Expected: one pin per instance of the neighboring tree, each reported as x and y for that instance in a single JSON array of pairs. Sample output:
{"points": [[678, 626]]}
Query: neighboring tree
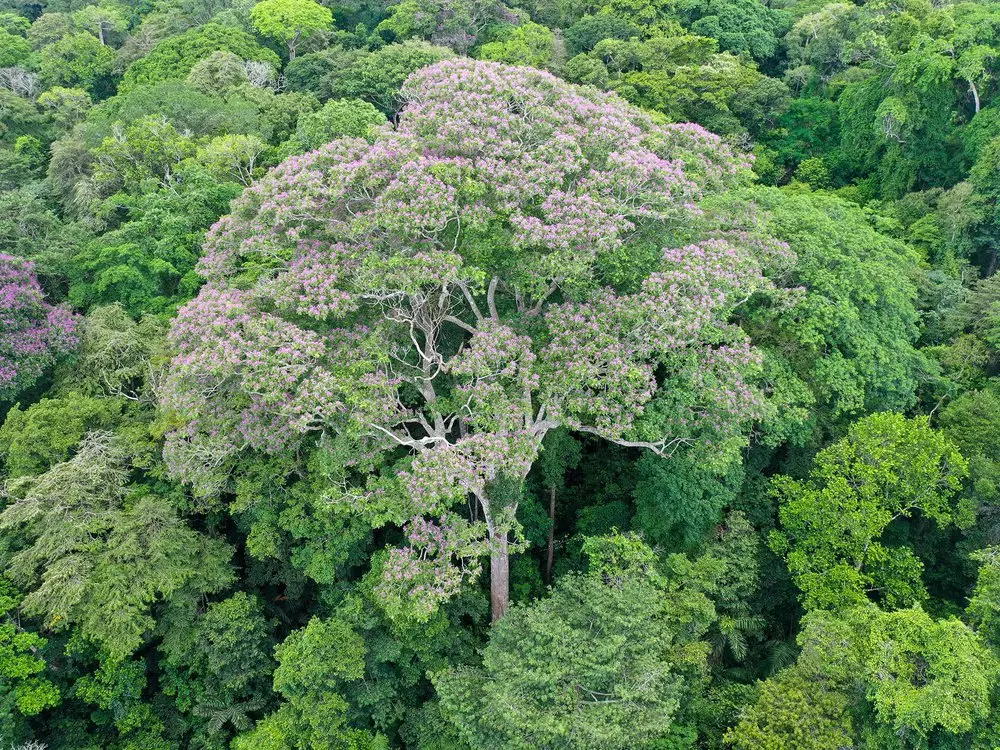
{"points": [[465, 311], [36, 438], [314, 666], [984, 605], [290, 21], [603, 663], [218, 74], [33, 333], [25, 690], [848, 348], [148, 149], [527, 44], [679, 501], [147, 263], [378, 77], [97, 553], [19, 81], [79, 61], [887, 468], [67, 106], [14, 49], [308, 73], [115, 357], [174, 57], [49, 28], [586, 33], [221, 668], [338, 118], [741, 26], [260, 74], [451, 23], [893, 678], [233, 158], [101, 20]]}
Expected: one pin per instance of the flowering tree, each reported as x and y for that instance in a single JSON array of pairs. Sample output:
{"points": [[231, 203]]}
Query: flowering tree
{"points": [[445, 295], [32, 332]]}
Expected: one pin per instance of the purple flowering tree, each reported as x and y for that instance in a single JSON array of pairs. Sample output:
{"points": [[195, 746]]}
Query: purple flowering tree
{"points": [[438, 299], [32, 332]]}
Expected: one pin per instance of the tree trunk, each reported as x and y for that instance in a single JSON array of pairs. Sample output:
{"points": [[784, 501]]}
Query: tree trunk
{"points": [[975, 94], [292, 43], [499, 577], [552, 534], [100, 34]]}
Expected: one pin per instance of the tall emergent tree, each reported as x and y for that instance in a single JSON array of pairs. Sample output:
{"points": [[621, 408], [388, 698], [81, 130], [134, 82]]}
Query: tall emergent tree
{"points": [[432, 303]]}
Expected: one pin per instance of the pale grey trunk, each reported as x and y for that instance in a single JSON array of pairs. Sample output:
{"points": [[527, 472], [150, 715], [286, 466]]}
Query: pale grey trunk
{"points": [[499, 576]]}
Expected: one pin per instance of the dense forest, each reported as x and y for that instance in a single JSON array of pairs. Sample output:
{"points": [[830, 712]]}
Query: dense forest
{"points": [[487, 374]]}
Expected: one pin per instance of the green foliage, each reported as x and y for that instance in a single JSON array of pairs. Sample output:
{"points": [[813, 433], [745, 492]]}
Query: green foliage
{"points": [[377, 77], [98, 554], [850, 340], [984, 605], [338, 118], [24, 688], [684, 77], [290, 21], [14, 48], [220, 666], [80, 61], [146, 264], [34, 439], [103, 21], [308, 73], [218, 74], [174, 57], [562, 669], [314, 664], [586, 33], [67, 106], [887, 468], [527, 44], [677, 500], [924, 673], [794, 712], [897, 675]]}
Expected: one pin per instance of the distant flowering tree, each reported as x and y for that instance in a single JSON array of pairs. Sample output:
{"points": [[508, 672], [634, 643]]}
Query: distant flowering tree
{"points": [[440, 298], [32, 332]]}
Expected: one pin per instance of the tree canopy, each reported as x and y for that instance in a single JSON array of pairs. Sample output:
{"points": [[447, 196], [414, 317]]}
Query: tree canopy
{"points": [[459, 374]]}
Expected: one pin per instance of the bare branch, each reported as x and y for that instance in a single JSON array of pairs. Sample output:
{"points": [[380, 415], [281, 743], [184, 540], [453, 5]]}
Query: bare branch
{"points": [[460, 323], [665, 448], [470, 299]]}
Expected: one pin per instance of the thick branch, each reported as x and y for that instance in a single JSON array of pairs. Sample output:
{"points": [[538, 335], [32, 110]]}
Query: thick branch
{"points": [[541, 301], [458, 322], [470, 299], [663, 448], [410, 442]]}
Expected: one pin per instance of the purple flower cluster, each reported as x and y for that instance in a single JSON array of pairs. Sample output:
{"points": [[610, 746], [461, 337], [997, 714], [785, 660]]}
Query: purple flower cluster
{"points": [[33, 333]]}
